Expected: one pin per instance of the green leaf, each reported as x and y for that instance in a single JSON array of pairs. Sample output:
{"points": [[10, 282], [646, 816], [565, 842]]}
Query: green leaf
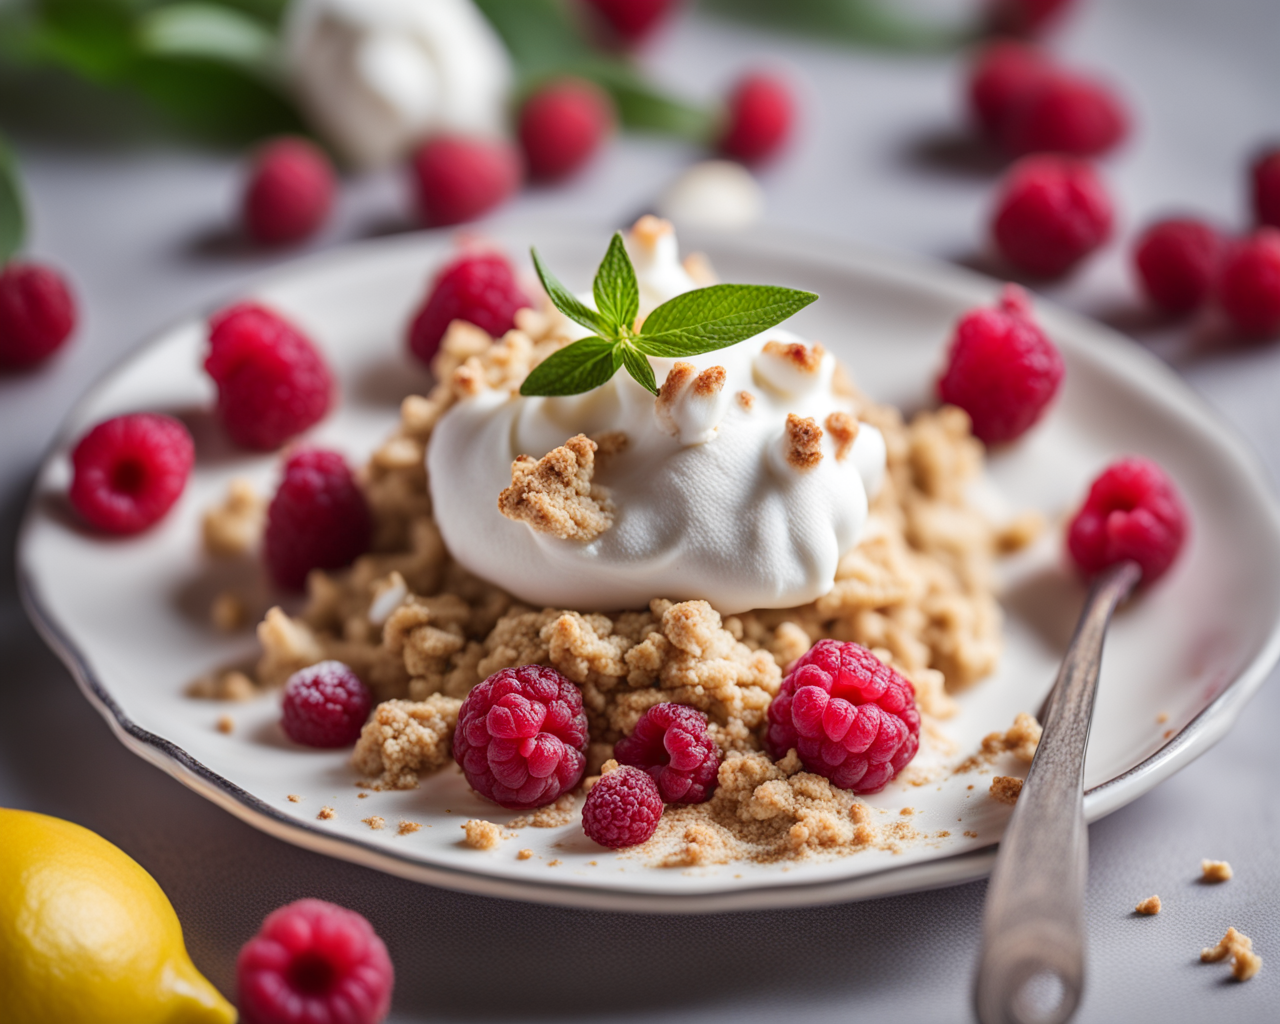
{"points": [[584, 365], [208, 31], [639, 368], [565, 301], [871, 23], [12, 221], [615, 287], [714, 317]]}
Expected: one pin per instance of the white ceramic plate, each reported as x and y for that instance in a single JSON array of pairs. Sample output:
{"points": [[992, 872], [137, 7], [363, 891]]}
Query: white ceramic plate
{"points": [[130, 617]]}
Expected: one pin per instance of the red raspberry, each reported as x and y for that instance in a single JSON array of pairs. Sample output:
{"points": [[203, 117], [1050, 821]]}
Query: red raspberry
{"points": [[461, 178], [562, 125], [521, 736], [1052, 211], [1177, 263], [37, 314], [1266, 188], [325, 705], [632, 20], [1133, 511], [622, 809], [1064, 113], [128, 471], [1003, 75], [1025, 17], [319, 519], [849, 716], [1001, 369], [480, 288], [272, 381], [289, 192], [1249, 288], [759, 118], [314, 962], [670, 742]]}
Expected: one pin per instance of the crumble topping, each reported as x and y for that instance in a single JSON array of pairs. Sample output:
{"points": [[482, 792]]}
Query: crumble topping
{"points": [[843, 429], [1022, 739], [1005, 789], [228, 685], [804, 441], [481, 834], [747, 400], [554, 494], [1215, 871], [228, 613], [234, 527], [805, 358], [405, 738], [1245, 963], [1148, 907]]}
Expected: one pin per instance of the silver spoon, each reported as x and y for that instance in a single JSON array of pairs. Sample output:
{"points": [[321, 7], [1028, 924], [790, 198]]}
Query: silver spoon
{"points": [[1031, 970]]}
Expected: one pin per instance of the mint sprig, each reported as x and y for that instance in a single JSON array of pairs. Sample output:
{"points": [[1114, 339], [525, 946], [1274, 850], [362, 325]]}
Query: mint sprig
{"points": [[694, 322]]}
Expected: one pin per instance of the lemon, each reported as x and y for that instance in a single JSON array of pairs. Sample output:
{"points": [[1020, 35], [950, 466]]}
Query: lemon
{"points": [[87, 936]]}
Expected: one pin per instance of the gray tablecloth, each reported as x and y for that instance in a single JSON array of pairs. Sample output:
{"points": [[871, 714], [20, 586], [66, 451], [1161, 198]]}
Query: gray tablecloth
{"points": [[142, 228]]}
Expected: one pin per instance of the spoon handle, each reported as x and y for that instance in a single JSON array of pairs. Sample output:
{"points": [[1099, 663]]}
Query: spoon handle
{"points": [[1032, 966]]}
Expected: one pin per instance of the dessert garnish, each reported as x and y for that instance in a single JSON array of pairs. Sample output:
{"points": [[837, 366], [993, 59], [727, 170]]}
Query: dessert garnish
{"points": [[1052, 212], [325, 705], [623, 807], [478, 287], [37, 314], [1178, 261], [671, 743], [289, 193]]}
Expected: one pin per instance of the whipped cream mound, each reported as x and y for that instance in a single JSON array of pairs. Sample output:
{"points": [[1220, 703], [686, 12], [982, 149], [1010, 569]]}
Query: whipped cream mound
{"points": [[742, 484]]}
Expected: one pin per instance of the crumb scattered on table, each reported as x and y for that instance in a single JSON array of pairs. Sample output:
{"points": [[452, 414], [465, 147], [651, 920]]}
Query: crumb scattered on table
{"points": [[1005, 789], [1149, 906], [326, 813], [1245, 963], [1215, 871]]}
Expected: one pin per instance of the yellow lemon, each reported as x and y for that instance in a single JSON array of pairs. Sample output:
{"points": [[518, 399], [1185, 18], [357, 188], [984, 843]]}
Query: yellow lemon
{"points": [[87, 936]]}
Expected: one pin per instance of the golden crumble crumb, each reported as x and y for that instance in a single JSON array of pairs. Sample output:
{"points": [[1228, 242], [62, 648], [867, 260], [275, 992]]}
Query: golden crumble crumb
{"points": [[610, 442], [524, 855], [408, 827], [375, 821], [232, 685], [942, 834], [906, 812], [481, 834], [609, 767], [971, 835], [404, 738], [293, 798], [1245, 963], [709, 382], [1215, 871], [288, 645], [804, 441], [1020, 532], [228, 613], [1022, 740], [1149, 906], [1162, 718], [1005, 789], [747, 400], [233, 527], [362, 796], [552, 816], [1167, 734], [806, 358], [555, 495], [843, 429], [554, 863], [698, 266], [327, 813], [226, 724], [648, 230]]}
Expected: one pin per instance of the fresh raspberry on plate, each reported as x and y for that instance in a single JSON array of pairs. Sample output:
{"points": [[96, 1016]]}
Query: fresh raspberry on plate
{"points": [[289, 192], [562, 126], [1265, 177], [622, 809], [1177, 262], [850, 717], [272, 381], [319, 518], [128, 471], [314, 962], [632, 20], [1064, 113], [671, 743], [1004, 73], [459, 178], [480, 288], [1249, 288], [37, 314], [521, 736], [1002, 369], [325, 705], [1052, 211], [759, 118], [1133, 511]]}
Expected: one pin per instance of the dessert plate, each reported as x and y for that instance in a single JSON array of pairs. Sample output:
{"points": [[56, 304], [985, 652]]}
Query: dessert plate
{"points": [[130, 617]]}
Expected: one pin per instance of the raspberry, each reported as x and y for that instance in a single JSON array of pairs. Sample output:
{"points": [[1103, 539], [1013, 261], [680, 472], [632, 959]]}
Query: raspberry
{"points": [[1132, 511], [461, 178], [632, 20], [850, 717], [1003, 75], [1064, 113], [319, 518], [1001, 369], [1177, 263], [521, 736], [480, 288], [1052, 211], [289, 192], [128, 471], [1266, 188], [272, 382], [325, 705], [1249, 288], [37, 314], [622, 809], [1025, 17], [562, 125], [314, 962], [759, 118], [670, 742]]}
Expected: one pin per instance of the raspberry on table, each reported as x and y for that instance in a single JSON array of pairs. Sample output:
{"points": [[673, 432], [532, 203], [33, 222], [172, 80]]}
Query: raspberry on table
{"points": [[37, 314], [1004, 73], [325, 705], [1133, 510], [1002, 369], [632, 20], [849, 716], [289, 192], [562, 125], [273, 383], [622, 809], [314, 962], [459, 178], [671, 743], [521, 737], [1249, 288], [480, 288], [318, 519], [1064, 113], [760, 112], [128, 471], [1177, 262], [1052, 211], [1265, 175]]}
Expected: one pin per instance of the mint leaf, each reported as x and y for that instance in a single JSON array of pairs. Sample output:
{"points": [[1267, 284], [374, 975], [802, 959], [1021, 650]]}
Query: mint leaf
{"points": [[565, 301], [12, 221], [210, 31], [715, 317], [616, 290], [584, 365], [639, 368]]}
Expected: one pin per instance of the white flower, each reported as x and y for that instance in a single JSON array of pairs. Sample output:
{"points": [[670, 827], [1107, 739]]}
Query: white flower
{"points": [[375, 77]]}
